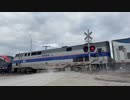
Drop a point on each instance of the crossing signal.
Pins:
(92, 48)
(85, 48)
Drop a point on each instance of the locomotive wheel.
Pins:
(20, 70)
(34, 70)
(67, 69)
(15, 70)
(28, 70)
(76, 69)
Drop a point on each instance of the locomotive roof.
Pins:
(64, 48)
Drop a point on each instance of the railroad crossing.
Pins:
(88, 38)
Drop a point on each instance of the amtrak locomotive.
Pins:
(64, 58)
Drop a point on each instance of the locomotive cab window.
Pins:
(34, 53)
(39, 53)
(69, 49)
(28, 54)
(17, 55)
(25, 54)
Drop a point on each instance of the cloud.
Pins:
(58, 29)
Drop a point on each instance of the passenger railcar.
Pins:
(121, 52)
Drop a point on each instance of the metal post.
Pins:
(88, 41)
(89, 54)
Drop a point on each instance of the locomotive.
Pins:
(64, 58)
(6, 63)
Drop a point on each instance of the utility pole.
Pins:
(88, 38)
(31, 45)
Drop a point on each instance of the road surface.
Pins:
(66, 79)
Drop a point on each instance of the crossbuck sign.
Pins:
(88, 35)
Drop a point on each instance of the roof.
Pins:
(64, 48)
(125, 40)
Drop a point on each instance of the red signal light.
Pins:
(92, 48)
(85, 49)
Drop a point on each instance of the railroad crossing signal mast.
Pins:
(88, 38)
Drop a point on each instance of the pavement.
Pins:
(70, 78)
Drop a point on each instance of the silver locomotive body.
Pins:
(60, 58)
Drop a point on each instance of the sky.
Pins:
(58, 29)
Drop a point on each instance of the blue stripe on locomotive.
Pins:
(62, 57)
